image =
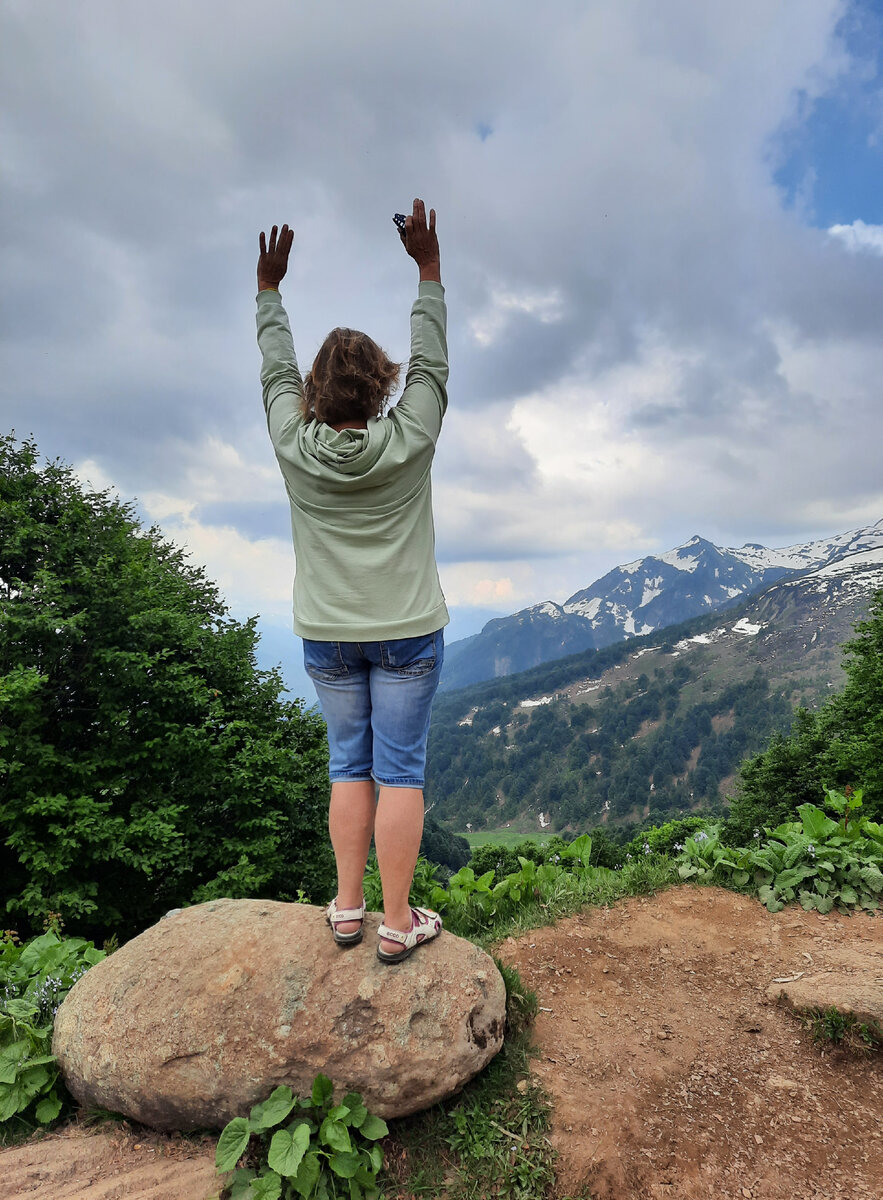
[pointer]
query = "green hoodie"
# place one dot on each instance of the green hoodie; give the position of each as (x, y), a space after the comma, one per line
(361, 501)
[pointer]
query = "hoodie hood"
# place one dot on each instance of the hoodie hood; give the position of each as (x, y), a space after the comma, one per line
(348, 451)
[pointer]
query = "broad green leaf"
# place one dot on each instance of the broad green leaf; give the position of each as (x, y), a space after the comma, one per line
(740, 878)
(872, 878)
(47, 1110)
(273, 1110)
(790, 879)
(824, 904)
(287, 1149)
(232, 1144)
(240, 1189)
(356, 1192)
(307, 1175)
(808, 900)
(21, 1010)
(376, 1155)
(340, 1112)
(266, 1187)
(345, 1165)
(337, 1136)
(816, 825)
(13, 1099)
(323, 1090)
(358, 1111)
(374, 1128)
(848, 894)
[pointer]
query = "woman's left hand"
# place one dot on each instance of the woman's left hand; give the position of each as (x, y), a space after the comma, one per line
(273, 259)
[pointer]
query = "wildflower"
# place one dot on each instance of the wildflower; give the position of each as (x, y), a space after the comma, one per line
(757, 833)
(628, 858)
(811, 851)
(678, 845)
(701, 836)
(646, 847)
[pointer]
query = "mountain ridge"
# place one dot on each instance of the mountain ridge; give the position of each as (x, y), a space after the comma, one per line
(639, 598)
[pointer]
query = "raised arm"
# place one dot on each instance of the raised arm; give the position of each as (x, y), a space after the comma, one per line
(425, 399)
(280, 377)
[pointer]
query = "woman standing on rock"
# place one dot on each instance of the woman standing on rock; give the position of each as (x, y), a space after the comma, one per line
(367, 600)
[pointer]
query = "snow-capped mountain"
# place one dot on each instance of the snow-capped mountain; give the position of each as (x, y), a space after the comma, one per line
(648, 594)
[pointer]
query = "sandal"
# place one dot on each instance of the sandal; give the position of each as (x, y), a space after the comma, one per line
(425, 925)
(333, 917)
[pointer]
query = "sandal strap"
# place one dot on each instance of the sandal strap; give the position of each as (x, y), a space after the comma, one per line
(345, 914)
(420, 919)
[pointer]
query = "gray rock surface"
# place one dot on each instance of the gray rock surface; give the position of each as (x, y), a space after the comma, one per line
(202, 1015)
(858, 994)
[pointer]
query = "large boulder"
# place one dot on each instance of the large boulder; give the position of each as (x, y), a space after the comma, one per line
(201, 1016)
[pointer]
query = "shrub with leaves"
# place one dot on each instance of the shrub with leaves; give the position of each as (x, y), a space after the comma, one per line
(34, 979)
(819, 861)
(312, 1148)
(145, 761)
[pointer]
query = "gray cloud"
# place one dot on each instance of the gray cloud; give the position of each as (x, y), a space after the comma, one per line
(616, 253)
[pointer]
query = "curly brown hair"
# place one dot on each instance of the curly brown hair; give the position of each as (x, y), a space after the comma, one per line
(351, 379)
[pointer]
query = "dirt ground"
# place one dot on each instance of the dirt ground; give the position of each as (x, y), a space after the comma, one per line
(671, 1073)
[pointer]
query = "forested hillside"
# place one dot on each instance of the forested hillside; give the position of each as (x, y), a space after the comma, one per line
(634, 751)
(644, 729)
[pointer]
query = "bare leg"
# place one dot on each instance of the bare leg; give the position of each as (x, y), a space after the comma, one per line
(351, 823)
(398, 828)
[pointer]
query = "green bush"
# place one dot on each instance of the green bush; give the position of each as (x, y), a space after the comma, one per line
(34, 979)
(145, 761)
(818, 861)
(324, 1151)
(663, 839)
(840, 743)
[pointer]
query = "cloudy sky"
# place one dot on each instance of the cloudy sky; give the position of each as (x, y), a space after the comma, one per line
(662, 244)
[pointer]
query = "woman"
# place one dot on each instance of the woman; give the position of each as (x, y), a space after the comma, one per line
(367, 599)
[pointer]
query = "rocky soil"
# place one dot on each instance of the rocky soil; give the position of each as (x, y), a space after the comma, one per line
(673, 1074)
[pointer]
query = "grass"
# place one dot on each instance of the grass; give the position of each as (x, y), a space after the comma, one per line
(569, 894)
(490, 1140)
(502, 837)
(830, 1026)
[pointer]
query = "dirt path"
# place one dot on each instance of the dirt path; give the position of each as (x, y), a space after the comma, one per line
(672, 1076)
(110, 1162)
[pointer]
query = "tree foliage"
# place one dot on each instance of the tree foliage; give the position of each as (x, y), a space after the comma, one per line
(840, 745)
(145, 761)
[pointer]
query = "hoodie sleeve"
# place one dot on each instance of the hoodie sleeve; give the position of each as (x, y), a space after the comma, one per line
(282, 385)
(425, 397)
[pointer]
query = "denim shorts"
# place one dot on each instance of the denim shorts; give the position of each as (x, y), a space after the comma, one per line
(376, 699)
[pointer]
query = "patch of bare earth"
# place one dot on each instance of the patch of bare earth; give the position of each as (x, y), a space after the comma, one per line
(110, 1162)
(673, 1076)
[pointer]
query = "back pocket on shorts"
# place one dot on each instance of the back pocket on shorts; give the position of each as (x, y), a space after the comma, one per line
(323, 661)
(410, 656)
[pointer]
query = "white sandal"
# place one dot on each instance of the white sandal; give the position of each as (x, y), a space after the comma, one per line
(334, 915)
(425, 925)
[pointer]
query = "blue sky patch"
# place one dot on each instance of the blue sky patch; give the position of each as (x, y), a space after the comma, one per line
(832, 161)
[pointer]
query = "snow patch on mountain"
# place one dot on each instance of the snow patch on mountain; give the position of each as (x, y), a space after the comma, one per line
(585, 608)
(745, 626)
(652, 588)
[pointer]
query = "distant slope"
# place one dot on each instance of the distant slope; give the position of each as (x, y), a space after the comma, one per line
(638, 599)
(648, 727)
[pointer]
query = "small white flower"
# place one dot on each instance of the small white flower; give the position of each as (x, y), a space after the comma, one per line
(679, 845)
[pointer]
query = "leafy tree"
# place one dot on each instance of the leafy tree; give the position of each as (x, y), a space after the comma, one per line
(145, 761)
(840, 745)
